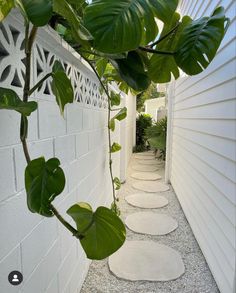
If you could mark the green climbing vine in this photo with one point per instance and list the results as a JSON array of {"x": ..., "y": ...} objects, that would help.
[{"x": 126, "y": 48}]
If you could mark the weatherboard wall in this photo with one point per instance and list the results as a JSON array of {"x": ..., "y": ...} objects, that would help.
[{"x": 202, "y": 144}]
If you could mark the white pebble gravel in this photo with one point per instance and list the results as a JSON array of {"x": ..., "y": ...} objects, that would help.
[{"x": 197, "y": 277}]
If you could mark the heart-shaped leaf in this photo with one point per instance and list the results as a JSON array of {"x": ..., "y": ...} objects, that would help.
[
  {"x": 115, "y": 99},
  {"x": 115, "y": 147},
  {"x": 5, "y": 8},
  {"x": 10, "y": 100},
  {"x": 199, "y": 42},
  {"x": 39, "y": 12},
  {"x": 122, "y": 114},
  {"x": 112, "y": 125},
  {"x": 101, "y": 66},
  {"x": 119, "y": 116},
  {"x": 61, "y": 86},
  {"x": 103, "y": 231},
  {"x": 43, "y": 182},
  {"x": 132, "y": 71}
]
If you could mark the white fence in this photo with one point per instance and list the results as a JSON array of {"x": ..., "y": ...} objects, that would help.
[
  {"x": 50, "y": 259},
  {"x": 202, "y": 149}
]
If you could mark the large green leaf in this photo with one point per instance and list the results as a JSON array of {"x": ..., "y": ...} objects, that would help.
[
  {"x": 164, "y": 9},
  {"x": 119, "y": 26},
  {"x": 132, "y": 71},
  {"x": 103, "y": 232},
  {"x": 43, "y": 182},
  {"x": 199, "y": 42},
  {"x": 5, "y": 8},
  {"x": 39, "y": 12},
  {"x": 9, "y": 100},
  {"x": 162, "y": 67},
  {"x": 61, "y": 86},
  {"x": 80, "y": 33}
]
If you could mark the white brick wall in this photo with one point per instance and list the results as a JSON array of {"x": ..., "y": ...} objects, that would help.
[{"x": 50, "y": 259}]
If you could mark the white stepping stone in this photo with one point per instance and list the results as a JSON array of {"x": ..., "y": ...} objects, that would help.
[
  {"x": 147, "y": 154},
  {"x": 144, "y": 157},
  {"x": 151, "y": 223},
  {"x": 150, "y": 186},
  {"x": 146, "y": 200},
  {"x": 150, "y": 176},
  {"x": 146, "y": 261},
  {"x": 150, "y": 162},
  {"x": 145, "y": 168}
]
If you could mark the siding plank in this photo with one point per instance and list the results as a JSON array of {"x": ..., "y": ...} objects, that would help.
[{"x": 203, "y": 149}]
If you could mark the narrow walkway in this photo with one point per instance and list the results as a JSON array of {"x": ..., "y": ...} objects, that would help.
[{"x": 196, "y": 278}]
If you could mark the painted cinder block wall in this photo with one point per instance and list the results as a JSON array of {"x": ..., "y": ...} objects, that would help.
[
  {"x": 202, "y": 149},
  {"x": 50, "y": 259}
]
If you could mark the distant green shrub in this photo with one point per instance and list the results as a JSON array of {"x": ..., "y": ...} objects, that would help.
[
  {"x": 156, "y": 136},
  {"x": 143, "y": 121}
]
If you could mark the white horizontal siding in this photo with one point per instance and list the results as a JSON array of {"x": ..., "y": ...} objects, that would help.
[{"x": 203, "y": 149}]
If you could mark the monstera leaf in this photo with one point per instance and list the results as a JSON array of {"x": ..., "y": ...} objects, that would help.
[
  {"x": 162, "y": 67},
  {"x": 43, "y": 182},
  {"x": 9, "y": 100},
  {"x": 164, "y": 9},
  {"x": 102, "y": 231},
  {"x": 132, "y": 71},
  {"x": 39, "y": 12},
  {"x": 199, "y": 42},
  {"x": 61, "y": 86},
  {"x": 120, "y": 26}
]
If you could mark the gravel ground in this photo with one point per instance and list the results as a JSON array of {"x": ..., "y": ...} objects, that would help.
[{"x": 197, "y": 277}]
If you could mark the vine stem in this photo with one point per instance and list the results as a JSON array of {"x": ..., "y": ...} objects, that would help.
[
  {"x": 65, "y": 223},
  {"x": 150, "y": 50},
  {"x": 164, "y": 37},
  {"x": 109, "y": 143},
  {"x": 34, "y": 88},
  {"x": 29, "y": 40},
  {"x": 108, "y": 121}
]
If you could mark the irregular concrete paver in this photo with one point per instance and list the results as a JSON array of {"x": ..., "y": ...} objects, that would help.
[
  {"x": 150, "y": 162},
  {"x": 150, "y": 186},
  {"x": 145, "y": 168},
  {"x": 146, "y": 260},
  {"x": 142, "y": 157},
  {"x": 145, "y": 154},
  {"x": 146, "y": 200},
  {"x": 151, "y": 223},
  {"x": 150, "y": 176}
]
